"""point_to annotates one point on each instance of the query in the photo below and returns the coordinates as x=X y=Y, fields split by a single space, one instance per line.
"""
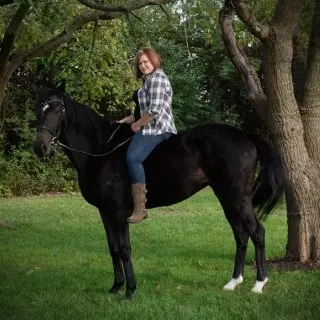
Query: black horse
x=214 y=155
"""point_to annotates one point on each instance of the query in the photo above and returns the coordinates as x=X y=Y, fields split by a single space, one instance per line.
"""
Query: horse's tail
x=269 y=184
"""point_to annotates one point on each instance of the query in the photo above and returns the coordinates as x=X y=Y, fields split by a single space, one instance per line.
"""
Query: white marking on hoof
x=259 y=286
x=231 y=285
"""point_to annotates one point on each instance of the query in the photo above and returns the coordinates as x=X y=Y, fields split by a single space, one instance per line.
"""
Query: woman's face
x=145 y=65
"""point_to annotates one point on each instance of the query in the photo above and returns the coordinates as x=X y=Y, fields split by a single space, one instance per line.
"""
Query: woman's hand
x=135 y=127
x=144 y=120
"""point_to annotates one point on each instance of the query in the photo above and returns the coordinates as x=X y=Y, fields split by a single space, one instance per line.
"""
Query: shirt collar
x=150 y=74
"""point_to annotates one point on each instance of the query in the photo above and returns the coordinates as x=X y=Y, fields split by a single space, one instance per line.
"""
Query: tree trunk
x=4 y=79
x=6 y=71
x=3 y=85
x=286 y=126
x=292 y=116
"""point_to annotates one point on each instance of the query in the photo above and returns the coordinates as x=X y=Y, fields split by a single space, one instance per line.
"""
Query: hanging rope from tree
x=184 y=17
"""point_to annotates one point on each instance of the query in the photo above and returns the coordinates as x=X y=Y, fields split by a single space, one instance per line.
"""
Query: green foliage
x=93 y=68
x=24 y=174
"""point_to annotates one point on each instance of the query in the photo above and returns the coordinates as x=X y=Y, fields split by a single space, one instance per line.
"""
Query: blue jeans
x=139 y=149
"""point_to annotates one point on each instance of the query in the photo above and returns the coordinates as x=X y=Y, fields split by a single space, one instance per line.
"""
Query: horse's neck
x=82 y=141
x=77 y=143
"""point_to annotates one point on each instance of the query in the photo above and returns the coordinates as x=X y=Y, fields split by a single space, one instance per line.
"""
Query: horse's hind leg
x=240 y=214
x=244 y=213
x=241 y=237
x=257 y=235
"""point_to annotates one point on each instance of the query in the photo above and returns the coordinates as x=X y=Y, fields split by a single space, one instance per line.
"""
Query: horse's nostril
x=41 y=149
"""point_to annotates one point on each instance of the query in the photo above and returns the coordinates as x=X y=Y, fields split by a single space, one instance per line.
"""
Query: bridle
x=57 y=131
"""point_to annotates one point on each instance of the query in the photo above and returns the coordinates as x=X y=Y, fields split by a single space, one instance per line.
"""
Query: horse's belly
x=175 y=188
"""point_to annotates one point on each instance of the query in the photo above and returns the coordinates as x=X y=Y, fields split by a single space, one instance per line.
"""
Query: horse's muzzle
x=42 y=149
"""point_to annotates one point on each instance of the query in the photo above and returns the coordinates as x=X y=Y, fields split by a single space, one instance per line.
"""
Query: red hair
x=153 y=57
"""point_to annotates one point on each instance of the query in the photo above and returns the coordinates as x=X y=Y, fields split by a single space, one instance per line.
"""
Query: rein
x=56 y=141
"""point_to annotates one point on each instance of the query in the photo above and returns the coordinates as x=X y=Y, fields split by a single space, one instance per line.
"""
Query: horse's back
x=195 y=158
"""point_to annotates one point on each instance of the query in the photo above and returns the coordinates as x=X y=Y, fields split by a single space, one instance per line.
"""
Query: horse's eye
x=59 y=110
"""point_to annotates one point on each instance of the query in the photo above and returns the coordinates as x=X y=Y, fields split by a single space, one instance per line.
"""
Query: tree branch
x=5 y=2
x=11 y=32
x=125 y=7
x=259 y=30
x=239 y=59
x=135 y=16
x=65 y=35
x=162 y=7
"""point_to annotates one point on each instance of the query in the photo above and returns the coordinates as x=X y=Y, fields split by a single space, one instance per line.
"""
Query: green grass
x=54 y=265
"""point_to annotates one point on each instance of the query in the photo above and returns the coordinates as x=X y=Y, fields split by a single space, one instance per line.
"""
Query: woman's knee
x=132 y=158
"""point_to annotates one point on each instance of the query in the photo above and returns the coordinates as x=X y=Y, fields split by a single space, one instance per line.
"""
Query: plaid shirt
x=155 y=97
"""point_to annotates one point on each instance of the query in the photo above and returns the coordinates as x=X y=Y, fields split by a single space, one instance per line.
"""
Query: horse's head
x=50 y=112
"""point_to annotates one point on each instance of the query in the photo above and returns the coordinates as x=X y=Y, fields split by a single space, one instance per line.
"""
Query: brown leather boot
x=139 y=201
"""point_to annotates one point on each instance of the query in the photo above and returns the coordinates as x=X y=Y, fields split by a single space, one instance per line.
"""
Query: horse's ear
x=35 y=92
x=62 y=87
x=43 y=93
x=33 y=88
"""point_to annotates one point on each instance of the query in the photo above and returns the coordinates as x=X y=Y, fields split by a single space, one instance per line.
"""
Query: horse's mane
x=85 y=119
x=93 y=125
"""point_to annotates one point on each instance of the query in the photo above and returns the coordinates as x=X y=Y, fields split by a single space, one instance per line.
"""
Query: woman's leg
x=139 y=149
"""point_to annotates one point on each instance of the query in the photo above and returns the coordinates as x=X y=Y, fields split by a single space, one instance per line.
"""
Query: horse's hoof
x=115 y=288
x=130 y=293
x=233 y=283
x=259 y=286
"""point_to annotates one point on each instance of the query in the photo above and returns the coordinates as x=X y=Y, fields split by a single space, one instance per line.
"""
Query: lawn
x=55 y=265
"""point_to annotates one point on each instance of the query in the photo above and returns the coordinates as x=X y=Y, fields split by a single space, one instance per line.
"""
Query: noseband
x=55 y=132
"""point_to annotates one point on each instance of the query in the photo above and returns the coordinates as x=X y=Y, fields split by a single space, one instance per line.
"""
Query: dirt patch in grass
x=291 y=265
x=4 y=224
x=286 y=264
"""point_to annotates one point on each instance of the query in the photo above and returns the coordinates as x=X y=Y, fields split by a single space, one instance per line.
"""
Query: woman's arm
x=129 y=119
x=145 y=119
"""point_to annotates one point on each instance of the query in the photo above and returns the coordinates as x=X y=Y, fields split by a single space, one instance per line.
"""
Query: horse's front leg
x=125 y=254
x=114 y=250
